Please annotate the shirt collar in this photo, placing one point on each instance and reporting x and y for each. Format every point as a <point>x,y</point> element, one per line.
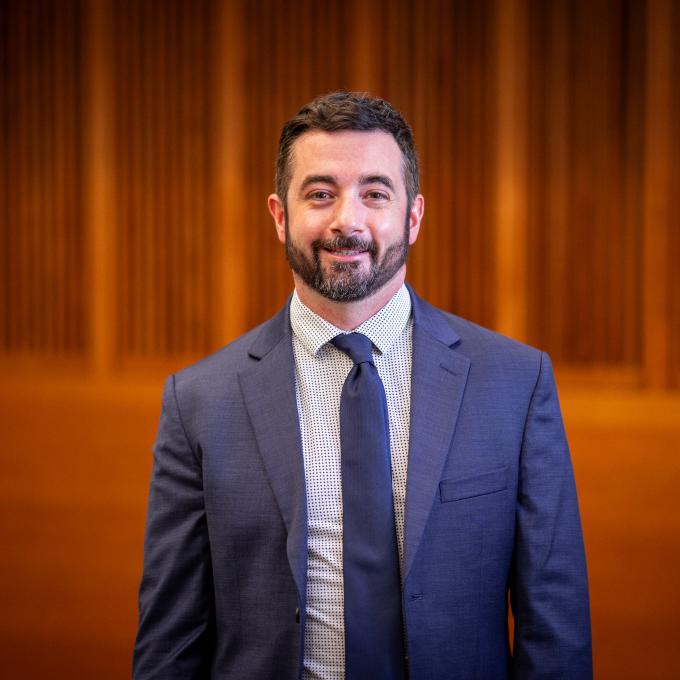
<point>383,328</point>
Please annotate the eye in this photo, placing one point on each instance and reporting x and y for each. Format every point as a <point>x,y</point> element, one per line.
<point>375,195</point>
<point>319,195</point>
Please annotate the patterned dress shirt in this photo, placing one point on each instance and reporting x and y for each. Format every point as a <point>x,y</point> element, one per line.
<point>320,372</point>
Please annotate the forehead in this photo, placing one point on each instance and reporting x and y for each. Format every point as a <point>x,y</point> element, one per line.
<point>345,154</point>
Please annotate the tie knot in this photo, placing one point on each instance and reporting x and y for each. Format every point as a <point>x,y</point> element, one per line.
<point>356,346</point>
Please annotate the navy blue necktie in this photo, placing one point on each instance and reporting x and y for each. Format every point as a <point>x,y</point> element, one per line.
<point>374,647</point>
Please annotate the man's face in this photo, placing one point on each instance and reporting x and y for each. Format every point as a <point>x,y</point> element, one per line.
<point>347,225</point>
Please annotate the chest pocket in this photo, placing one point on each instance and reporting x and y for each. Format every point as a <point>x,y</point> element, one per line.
<point>480,484</point>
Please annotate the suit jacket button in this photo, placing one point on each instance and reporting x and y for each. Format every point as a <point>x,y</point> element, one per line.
<point>297,614</point>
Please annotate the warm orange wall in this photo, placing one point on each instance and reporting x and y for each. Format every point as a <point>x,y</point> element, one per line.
<point>136,152</point>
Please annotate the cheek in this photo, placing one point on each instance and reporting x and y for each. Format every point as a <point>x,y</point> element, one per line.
<point>307,228</point>
<point>389,228</point>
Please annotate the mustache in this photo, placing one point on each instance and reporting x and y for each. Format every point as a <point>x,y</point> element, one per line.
<point>345,243</point>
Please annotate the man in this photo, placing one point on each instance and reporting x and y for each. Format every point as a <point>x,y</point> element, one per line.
<point>353,488</point>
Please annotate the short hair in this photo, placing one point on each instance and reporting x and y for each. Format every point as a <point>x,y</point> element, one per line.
<point>348,111</point>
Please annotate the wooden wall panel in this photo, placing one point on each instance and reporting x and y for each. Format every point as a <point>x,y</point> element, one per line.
<point>585,153</point>
<point>437,62</point>
<point>42,267</point>
<point>164,255</point>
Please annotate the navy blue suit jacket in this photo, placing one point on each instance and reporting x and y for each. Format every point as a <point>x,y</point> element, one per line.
<point>491,510</point>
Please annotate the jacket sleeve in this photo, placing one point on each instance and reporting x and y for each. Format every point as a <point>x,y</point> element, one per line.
<point>176,617</point>
<point>549,584</point>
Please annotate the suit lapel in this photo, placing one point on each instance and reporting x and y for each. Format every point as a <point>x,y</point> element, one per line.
<point>437,386</point>
<point>268,388</point>
<point>439,375</point>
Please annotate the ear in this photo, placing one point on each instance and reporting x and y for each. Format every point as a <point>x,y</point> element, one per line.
<point>415,217</point>
<point>278,212</point>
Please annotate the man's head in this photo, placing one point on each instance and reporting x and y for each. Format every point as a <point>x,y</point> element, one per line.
<point>339,111</point>
<point>347,206</point>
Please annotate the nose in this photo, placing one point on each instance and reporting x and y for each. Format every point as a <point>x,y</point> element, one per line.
<point>349,216</point>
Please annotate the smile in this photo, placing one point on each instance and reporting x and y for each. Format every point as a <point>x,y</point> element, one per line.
<point>344,252</point>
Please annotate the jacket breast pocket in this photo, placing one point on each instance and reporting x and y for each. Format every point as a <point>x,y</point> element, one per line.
<point>471,486</point>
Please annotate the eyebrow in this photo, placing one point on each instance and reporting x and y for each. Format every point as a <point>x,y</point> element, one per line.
<point>377,179</point>
<point>363,180</point>
<point>318,179</point>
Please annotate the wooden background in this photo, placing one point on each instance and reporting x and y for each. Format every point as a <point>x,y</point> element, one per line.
<point>137,143</point>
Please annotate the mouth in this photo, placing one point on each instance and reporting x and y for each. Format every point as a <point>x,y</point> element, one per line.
<point>346,254</point>
<point>344,251</point>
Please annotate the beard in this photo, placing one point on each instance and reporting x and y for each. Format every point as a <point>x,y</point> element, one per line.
<point>347,281</point>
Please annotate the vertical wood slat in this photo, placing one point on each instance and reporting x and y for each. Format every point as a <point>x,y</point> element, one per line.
<point>101,214</point>
<point>365,70</point>
<point>632,200</point>
<point>511,233</point>
<point>657,209</point>
<point>555,195</point>
<point>673,253</point>
<point>43,302</point>
<point>30,195</point>
<point>228,205</point>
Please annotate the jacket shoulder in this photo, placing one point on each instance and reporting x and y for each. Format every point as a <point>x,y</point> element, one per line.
<point>494,356</point>
<point>476,337</point>
<point>219,369</point>
<point>469,338</point>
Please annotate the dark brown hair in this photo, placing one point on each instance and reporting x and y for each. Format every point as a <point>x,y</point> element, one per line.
<point>347,111</point>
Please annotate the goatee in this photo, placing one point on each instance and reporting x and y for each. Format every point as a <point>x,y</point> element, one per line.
<point>346,281</point>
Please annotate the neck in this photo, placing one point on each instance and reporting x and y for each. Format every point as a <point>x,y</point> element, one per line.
<point>348,315</point>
